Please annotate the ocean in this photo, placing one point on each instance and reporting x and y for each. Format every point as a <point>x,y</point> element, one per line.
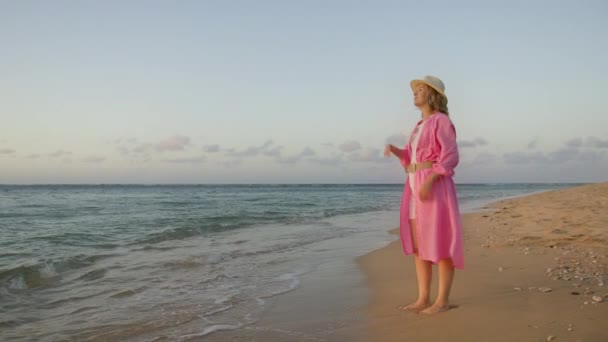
<point>168,262</point>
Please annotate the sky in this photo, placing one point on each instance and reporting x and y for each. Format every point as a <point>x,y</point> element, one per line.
<point>209,92</point>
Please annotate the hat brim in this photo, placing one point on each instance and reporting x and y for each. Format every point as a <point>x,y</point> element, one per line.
<point>413,84</point>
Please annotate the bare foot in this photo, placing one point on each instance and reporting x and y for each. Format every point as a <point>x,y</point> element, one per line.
<point>416,306</point>
<point>436,308</point>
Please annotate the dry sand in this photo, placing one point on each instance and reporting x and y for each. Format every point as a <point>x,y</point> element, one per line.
<point>534,268</point>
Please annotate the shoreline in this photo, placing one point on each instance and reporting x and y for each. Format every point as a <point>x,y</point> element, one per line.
<point>531,264</point>
<point>339,302</point>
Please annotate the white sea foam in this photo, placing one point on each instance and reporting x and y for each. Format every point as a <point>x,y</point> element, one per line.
<point>293,280</point>
<point>218,310</point>
<point>47,271</point>
<point>212,329</point>
<point>17,283</point>
<point>225,298</point>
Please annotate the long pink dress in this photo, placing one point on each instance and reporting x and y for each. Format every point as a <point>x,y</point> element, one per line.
<point>439,228</point>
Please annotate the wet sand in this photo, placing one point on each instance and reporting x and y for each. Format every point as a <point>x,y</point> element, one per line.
<point>326,307</point>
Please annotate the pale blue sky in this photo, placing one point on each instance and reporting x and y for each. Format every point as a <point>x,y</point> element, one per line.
<point>297,91</point>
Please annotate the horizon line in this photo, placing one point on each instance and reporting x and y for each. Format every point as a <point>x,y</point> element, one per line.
<point>215,184</point>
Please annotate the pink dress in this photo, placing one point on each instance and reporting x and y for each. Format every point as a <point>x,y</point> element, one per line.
<point>414,138</point>
<point>439,228</point>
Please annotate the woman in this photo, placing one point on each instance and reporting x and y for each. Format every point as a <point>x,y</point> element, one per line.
<point>430,223</point>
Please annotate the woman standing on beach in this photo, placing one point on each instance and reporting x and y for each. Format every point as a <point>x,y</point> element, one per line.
<point>430,225</point>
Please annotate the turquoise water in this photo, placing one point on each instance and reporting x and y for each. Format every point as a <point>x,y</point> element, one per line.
<point>94,262</point>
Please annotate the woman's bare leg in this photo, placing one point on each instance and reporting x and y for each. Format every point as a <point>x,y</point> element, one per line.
<point>424,274</point>
<point>446,276</point>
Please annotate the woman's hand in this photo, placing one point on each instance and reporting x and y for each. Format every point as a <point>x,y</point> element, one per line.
<point>426,189</point>
<point>388,149</point>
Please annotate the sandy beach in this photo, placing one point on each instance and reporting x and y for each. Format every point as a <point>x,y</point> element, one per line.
<point>535,270</point>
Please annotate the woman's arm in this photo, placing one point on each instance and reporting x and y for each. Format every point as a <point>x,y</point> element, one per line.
<point>402,154</point>
<point>445,137</point>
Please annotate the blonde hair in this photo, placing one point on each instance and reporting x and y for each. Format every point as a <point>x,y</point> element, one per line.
<point>437,101</point>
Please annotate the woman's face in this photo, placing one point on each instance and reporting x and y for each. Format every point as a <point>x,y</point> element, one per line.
<point>421,95</point>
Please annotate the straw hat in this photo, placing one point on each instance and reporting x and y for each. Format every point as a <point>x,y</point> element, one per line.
<point>432,82</point>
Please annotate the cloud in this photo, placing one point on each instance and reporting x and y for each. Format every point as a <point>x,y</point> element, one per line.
<point>533,144</point>
<point>578,149</point>
<point>327,144</point>
<point>274,152</point>
<point>306,152</point>
<point>288,160</point>
<point>211,148</point>
<point>573,150</point>
<point>174,143</point>
<point>267,144</point>
<point>368,155</point>
<point>232,163</point>
<point>123,150</point>
<point>93,159</point>
<point>190,160</point>
<point>524,157</point>
<point>142,148</point>
<point>574,143</point>
<point>350,146</point>
<point>6,150</point>
<point>59,154</point>
<point>137,150</point>
<point>472,143</point>
<point>481,141</point>
<point>250,151</point>
<point>119,141</point>
<point>563,155</point>
<point>132,147</point>
<point>397,139</point>
<point>334,160</point>
<point>466,144</point>
<point>591,156</point>
<point>485,158</point>
<point>33,156</point>
<point>596,142</point>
